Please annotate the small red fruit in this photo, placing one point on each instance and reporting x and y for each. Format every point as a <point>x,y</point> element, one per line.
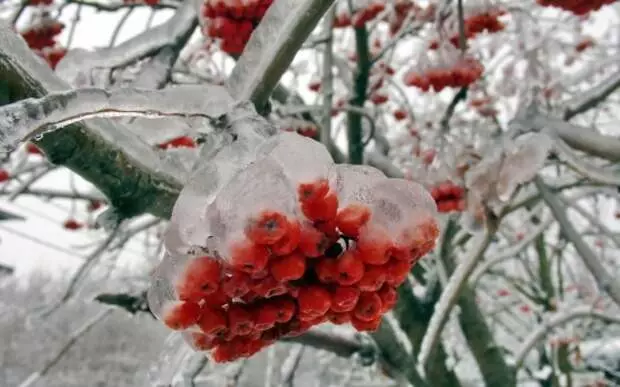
<point>344,299</point>
<point>268,287</point>
<point>181,315</point>
<point>267,228</point>
<point>240,320</point>
<point>321,209</point>
<point>72,224</point>
<point>202,342</point>
<point>352,218</point>
<point>248,256</point>
<point>373,279</point>
<point>368,306</point>
<point>349,268</point>
<point>338,318</point>
<point>313,302</point>
<point>288,243</point>
<point>288,268</point>
<point>366,326</point>
<point>309,192</point>
<point>217,299</point>
<point>213,322</point>
<point>373,245</point>
<point>4,175</point>
<point>235,284</point>
<point>389,297</point>
<point>200,278</point>
<point>286,308</point>
<point>396,272</point>
<point>312,243</point>
<point>326,270</point>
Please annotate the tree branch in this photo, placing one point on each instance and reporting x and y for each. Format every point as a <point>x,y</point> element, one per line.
<point>593,97</point>
<point>272,47</point>
<point>557,320</point>
<point>600,274</point>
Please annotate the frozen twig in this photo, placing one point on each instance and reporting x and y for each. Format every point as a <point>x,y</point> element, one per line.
<point>193,366</point>
<point>34,117</point>
<point>182,23</point>
<point>604,280</point>
<point>75,336</point>
<point>337,344</point>
<point>272,47</point>
<point>593,96</point>
<point>559,319</point>
<point>450,296</point>
<point>592,172</point>
<point>290,364</point>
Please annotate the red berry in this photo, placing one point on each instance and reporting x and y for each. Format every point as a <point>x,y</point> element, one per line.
<point>268,287</point>
<point>373,279</point>
<point>388,296</point>
<point>322,209</point>
<point>309,192</point>
<point>368,306</point>
<point>366,326</point>
<point>267,228</point>
<point>235,284</point>
<point>32,149</point>
<point>312,243</point>
<point>213,322</point>
<point>240,320</point>
<point>326,270</point>
<point>72,224</point>
<point>4,175</point>
<point>396,272</point>
<point>349,268</point>
<point>200,278</point>
<point>313,301</point>
<point>202,342</point>
<point>286,308</point>
<point>288,243</point>
<point>181,315</point>
<point>249,257</point>
<point>373,245</point>
<point>265,315</point>
<point>344,299</point>
<point>217,299</point>
<point>288,268</point>
<point>224,353</point>
<point>352,218</point>
<point>338,318</point>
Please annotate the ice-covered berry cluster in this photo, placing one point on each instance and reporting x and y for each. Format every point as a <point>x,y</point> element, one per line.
<point>41,38</point>
<point>459,73</point>
<point>233,21</point>
<point>449,197</point>
<point>578,7</point>
<point>268,244</point>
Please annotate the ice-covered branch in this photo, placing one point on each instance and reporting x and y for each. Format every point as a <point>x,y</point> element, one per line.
<point>32,117</point>
<point>272,47</point>
<point>582,167</point>
<point>592,97</point>
<point>337,344</point>
<point>606,282</point>
<point>584,139</point>
<point>126,170</point>
<point>450,296</point>
<point>556,321</point>
<point>170,33</point>
<point>75,336</point>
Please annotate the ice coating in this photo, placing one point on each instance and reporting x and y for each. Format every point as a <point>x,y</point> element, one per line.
<point>161,290</point>
<point>353,182</point>
<point>261,187</point>
<point>302,159</point>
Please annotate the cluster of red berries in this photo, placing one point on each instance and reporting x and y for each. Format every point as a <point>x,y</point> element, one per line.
<point>465,72</point>
<point>286,273</point>
<point>4,175</point>
<point>233,21</point>
<point>42,40</point>
<point>178,142</point>
<point>35,3</point>
<point>449,197</point>
<point>476,24</point>
<point>303,127</point>
<point>578,7</point>
<point>360,17</point>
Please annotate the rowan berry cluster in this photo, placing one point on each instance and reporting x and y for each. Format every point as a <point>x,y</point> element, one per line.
<point>35,3</point>
<point>4,175</point>
<point>312,243</point>
<point>463,72</point>
<point>475,24</point>
<point>233,21</point>
<point>361,16</point>
<point>41,38</point>
<point>449,197</point>
<point>303,127</point>
<point>578,7</point>
<point>178,142</point>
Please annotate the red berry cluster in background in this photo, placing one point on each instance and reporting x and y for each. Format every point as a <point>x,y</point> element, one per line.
<point>289,275</point>
<point>463,73</point>
<point>147,2</point>
<point>35,3</point>
<point>41,38</point>
<point>449,197</point>
<point>233,21</point>
<point>578,7</point>
<point>360,17</point>
<point>178,142</point>
<point>475,25</point>
<point>4,175</point>
<point>72,224</point>
<point>303,127</point>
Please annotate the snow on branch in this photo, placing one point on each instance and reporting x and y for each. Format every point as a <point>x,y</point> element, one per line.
<point>450,296</point>
<point>170,33</point>
<point>559,319</point>
<point>594,96</point>
<point>272,47</point>
<point>32,117</point>
<point>604,280</point>
<point>592,172</point>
